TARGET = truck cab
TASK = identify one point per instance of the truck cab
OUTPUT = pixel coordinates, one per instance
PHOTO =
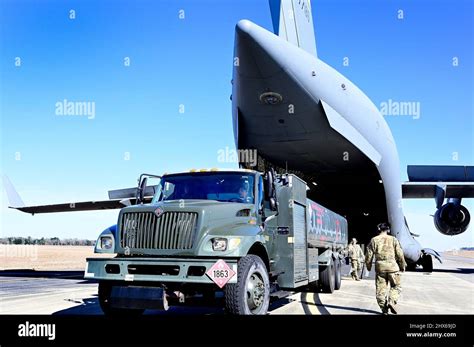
(241, 233)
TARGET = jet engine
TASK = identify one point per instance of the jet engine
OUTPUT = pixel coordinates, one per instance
(452, 219)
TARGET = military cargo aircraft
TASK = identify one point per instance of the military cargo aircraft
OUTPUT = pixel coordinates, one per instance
(303, 116)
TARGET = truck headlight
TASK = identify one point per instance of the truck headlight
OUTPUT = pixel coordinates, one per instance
(106, 242)
(219, 244)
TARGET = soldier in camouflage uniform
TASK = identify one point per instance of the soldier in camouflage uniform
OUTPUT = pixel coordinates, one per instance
(389, 261)
(355, 254)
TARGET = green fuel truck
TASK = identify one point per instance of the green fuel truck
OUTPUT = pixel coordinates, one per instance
(236, 237)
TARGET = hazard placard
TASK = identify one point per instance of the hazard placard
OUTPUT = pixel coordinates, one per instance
(220, 273)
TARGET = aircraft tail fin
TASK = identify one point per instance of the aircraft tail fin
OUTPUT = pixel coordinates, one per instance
(14, 199)
(293, 21)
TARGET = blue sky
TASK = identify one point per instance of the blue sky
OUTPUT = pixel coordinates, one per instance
(186, 63)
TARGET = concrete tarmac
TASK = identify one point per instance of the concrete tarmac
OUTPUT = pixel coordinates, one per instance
(449, 289)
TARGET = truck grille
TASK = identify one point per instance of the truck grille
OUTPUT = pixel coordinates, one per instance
(144, 230)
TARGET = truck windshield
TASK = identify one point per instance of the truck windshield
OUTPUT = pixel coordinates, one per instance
(226, 187)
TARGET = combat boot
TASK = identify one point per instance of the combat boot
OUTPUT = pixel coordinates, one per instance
(385, 309)
(391, 306)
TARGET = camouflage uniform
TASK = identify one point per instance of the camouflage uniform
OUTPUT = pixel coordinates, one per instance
(389, 260)
(355, 254)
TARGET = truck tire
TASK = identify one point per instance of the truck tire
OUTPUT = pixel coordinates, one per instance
(327, 277)
(104, 301)
(337, 283)
(251, 294)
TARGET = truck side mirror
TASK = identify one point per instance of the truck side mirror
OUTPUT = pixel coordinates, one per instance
(273, 204)
(268, 185)
(270, 189)
(141, 190)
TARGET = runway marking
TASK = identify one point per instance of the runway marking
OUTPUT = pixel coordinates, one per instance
(319, 305)
(308, 306)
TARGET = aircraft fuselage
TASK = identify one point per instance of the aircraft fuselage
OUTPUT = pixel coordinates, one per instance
(299, 113)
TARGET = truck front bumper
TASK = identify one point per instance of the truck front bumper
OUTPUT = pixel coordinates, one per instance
(177, 270)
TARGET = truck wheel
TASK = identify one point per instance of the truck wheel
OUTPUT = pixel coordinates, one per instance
(337, 284)
(251, 294)
(327, 277)
(104, 301)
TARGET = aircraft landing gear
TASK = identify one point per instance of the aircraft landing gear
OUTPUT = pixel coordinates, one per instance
(427, 263)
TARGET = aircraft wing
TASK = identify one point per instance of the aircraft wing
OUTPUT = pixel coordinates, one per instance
(425, 190)
(118, 198)
(439, 182)
(73, 206)
(126, 193)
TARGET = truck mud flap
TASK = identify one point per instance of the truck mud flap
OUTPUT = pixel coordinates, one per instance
(135, 297)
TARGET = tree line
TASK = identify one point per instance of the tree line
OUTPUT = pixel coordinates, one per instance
(55, 241)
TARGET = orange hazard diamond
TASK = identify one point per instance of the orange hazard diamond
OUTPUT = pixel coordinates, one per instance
(220, 273)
